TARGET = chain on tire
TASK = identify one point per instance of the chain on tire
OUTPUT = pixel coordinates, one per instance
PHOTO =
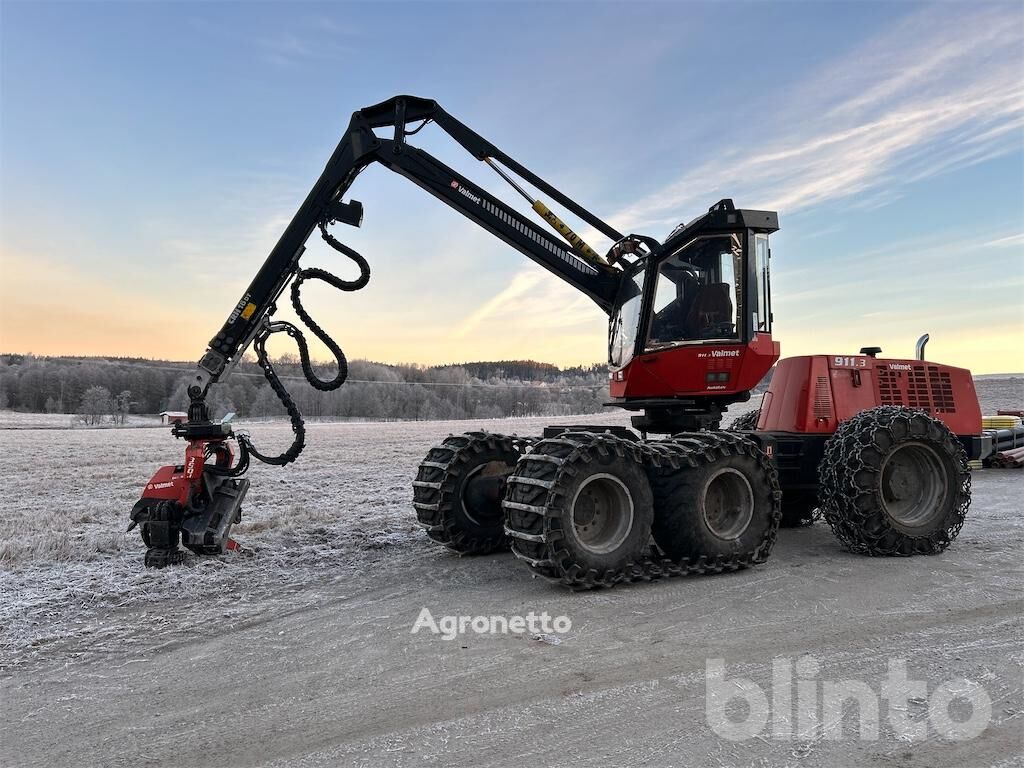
(533, 500)
(720, 460)
(858, 494)
(439, 490)
(540, 506)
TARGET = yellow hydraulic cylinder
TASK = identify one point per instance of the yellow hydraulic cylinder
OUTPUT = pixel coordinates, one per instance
(546, 213)
(563, 229)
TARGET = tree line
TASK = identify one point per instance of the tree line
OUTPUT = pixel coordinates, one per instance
(108, 389)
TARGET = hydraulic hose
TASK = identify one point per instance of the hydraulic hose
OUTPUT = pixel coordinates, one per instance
(245, 444)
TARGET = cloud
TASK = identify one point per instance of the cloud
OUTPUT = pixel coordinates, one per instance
(533, 301)
(1010, 241)
(521, 286)
(313, 40)
(932, 94)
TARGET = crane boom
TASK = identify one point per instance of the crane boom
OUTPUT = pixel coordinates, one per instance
(360, 146)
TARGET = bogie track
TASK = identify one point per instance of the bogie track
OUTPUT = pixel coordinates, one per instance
(545, 520)
(721, 508)
(745, 423)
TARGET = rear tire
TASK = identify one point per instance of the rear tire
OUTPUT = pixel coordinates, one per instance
(723, 508)
(894, 482)
(579, 509)
(458, 489)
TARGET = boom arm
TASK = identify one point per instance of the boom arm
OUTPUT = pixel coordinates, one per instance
(360, 147)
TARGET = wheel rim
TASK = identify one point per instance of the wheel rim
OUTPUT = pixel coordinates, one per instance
(913, 485)
(480, 502)
(602, 513)
(728, 504)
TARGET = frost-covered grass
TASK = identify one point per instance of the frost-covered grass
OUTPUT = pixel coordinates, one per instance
(17, 420)
(66, 561)
(72, 581)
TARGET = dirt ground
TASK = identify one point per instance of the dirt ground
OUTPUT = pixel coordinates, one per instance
(301, 652)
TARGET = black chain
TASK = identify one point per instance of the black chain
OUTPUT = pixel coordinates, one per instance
(851, 486)
(672, 455)
(245, 445)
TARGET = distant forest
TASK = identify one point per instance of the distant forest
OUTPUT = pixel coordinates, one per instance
(104, 389)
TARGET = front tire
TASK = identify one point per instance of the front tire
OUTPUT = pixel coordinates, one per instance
(458, 489)
(894, 482)
(579, 509)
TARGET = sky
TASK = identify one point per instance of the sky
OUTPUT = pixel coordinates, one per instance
(152, 153)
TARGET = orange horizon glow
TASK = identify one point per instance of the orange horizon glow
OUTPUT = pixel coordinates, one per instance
(42, 313)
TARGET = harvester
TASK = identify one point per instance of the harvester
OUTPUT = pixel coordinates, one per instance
(878, 447)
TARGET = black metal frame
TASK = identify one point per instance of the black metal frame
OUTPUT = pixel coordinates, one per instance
(721, 219)
(358, 148)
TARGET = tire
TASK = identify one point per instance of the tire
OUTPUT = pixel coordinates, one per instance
(723, 505)
(745, 423)
(798, 508)
(579, 509)
(894, 482)
(458, 489)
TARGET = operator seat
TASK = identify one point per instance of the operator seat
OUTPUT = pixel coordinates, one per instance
(710, 312)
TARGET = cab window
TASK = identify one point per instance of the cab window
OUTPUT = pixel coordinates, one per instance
(696, 293)
(762, 298)
(624, 323)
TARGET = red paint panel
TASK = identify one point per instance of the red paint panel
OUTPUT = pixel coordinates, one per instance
(813, 393)
(682, 370)
(168, 483)
(178, 483)
(789, 404)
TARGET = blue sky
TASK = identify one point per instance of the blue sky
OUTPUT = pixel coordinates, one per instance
(151, 154)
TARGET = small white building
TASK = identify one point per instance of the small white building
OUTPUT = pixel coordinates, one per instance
(173, 417)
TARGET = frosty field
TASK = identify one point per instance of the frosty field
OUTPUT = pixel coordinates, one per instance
(298, 651)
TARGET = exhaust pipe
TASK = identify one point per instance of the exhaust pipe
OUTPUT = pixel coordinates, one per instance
(919, 347)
